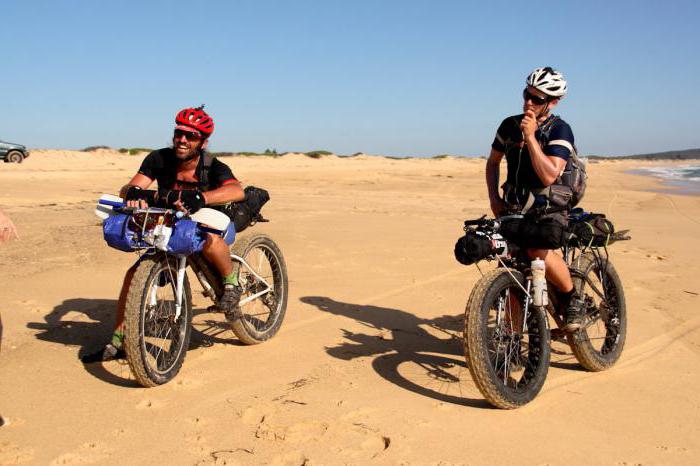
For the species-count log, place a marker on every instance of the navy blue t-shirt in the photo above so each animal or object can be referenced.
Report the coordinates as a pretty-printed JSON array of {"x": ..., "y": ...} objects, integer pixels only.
[{"x": 555, "y": 138}]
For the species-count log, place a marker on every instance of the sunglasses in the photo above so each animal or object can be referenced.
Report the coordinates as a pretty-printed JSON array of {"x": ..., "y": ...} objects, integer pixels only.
[
  {"x": 533, "y": 98},
  {"x": 188, "y": 135}
]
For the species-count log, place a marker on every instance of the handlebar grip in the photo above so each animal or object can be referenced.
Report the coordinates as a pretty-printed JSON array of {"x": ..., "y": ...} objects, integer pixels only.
[
  {"x": 468, "y": 223},
  {"x": 478, "y": 221},
  {"x": 111, "y": 203}
]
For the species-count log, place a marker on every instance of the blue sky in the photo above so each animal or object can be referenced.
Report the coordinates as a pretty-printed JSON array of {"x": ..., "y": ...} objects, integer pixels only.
[{"x": 386, "y": 77}]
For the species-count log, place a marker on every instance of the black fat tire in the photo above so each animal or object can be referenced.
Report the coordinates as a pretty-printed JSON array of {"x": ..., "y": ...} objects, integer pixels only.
[
  {"x": 587, "y": 355},
  {"x": 134, "y": 343},
  {"x": 243, "y": 328},
  {"x": 481, "y": 301},
  {"x": 14, "y": 157}
]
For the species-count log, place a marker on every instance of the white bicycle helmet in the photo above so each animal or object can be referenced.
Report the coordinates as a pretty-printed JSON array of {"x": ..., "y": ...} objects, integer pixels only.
[{"x": 547, "y": 80}]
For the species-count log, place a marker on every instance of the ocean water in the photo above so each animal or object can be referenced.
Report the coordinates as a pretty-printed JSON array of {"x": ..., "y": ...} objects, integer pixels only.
[{"x": 680, "y": 179}]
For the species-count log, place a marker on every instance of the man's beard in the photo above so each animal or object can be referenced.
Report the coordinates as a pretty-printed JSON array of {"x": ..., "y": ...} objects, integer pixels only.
[{"x": 192, "y": 153}]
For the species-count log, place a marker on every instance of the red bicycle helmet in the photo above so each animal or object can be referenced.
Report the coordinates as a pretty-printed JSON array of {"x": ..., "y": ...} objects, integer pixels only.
[{"x": 195, "y": 119}]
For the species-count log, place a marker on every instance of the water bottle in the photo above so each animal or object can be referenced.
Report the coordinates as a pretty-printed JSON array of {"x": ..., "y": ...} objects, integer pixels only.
[{"x": 539, "y": 283}]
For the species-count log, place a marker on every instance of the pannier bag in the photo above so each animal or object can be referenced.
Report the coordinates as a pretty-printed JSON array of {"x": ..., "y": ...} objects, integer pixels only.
[
  {"x": 247, "y": 212},
  {"x": 118, "y": 235},
  {"x": 591, "y": 229},
  {"x": 473, "y": 247},
  {"x": 186, "y": 237}
]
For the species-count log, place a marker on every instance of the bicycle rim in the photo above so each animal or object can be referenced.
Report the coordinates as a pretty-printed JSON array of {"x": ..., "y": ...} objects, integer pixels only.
[
  {"x": 261, "y": 313},
  {"x": 164, "y": 332}
]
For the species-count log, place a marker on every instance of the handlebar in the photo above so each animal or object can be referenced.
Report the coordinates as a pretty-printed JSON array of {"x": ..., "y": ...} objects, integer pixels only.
[
  {"x": 490, "y": 222},
  {"x": 121, "y": 206}
]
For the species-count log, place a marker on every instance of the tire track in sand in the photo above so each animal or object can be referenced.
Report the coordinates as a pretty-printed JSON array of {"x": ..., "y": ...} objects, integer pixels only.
[{"x": 631, "y": 357}]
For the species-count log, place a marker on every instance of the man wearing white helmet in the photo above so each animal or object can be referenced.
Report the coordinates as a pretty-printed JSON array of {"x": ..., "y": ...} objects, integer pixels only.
[{"x": 537, "y": 146}]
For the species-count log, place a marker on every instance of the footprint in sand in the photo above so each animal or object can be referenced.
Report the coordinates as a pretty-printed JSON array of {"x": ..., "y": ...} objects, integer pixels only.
[
  {"x": 184, "y": 383},
  {"x": 88, "y": 453},
  {"x": 150, "y": 404},
  {"x": 361, "y": 412},
  {"x": 12, "y": 454},
  {"x": 234, "y": 456},
  {"x": 252, "y": 415}
]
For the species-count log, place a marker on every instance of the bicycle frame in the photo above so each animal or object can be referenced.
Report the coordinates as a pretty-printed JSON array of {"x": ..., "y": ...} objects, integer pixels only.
[{"x": 209, "y": 290}]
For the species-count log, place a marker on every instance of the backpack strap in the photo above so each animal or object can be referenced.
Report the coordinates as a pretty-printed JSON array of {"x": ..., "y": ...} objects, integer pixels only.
[{"x": 207, "y": 161}]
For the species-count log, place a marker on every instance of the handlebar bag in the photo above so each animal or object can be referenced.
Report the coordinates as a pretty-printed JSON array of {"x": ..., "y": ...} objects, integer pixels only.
[
  {"x": 187, "y": 238},
  {"x": 117, "y": 234},
  {"x": 472, "y": 247},
  {"x": 245, "y": 213}
]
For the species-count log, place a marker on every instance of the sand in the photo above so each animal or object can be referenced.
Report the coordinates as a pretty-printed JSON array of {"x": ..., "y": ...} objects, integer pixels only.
[{"x": 368, "y": 366}]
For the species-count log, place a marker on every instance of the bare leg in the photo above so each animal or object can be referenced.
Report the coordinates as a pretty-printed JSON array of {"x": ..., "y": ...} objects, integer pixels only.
[
  {"x": 217, "y": 253},
  {"x": 556, "y": 269},
  {"x": 121, "y": 304}
]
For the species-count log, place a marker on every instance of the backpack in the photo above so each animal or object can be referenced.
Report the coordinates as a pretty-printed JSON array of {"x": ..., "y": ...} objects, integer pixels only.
[{"x": 570, "y": 186}]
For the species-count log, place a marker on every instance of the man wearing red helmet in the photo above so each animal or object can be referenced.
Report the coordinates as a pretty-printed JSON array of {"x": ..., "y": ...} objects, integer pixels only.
[{"x": 188, "y": 179}]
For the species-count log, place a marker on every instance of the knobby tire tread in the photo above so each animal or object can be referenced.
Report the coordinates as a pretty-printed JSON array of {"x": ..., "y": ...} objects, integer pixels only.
[
  {"x": 584, "y": 352},
  {"x": 477, "y": 360},
  {"x": 132, "y": 322},
  {"x": 241, "y": 247}
]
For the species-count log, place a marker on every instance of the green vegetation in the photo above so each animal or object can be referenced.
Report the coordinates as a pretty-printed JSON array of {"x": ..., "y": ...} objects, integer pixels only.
[
  {"x": 95, "y": 148},
  {"x": 441, "y": 156},
  {"x": 317, "y": 154},
  {"x": 134, "y": 150},
  {"x": 689, "y": 154}
]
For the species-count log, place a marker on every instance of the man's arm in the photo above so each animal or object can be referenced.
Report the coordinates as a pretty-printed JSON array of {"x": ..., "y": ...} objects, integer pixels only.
[
  {"x": 229, "y": 192},
  {"x": 492, "y": 177},
  {"x": 139, "y": 180},
  {"x": 547, "y": 167}
]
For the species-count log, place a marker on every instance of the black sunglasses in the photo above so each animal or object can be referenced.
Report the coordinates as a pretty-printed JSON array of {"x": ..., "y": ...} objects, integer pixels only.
[
  {"x": 189, "y": 135},
  {"x": 537, "y": 100}
]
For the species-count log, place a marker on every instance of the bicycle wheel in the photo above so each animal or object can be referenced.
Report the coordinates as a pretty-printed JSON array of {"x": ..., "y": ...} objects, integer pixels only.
[
  {"x": 507, "y": 360},
  {"x": 598, "y": 344},
  {"x": 155, "y": 337},
  {"x": 263, "y": 306}
]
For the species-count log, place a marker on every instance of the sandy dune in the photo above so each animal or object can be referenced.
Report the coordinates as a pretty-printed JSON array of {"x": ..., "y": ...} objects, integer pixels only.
[{"x": 367, "y": 368}]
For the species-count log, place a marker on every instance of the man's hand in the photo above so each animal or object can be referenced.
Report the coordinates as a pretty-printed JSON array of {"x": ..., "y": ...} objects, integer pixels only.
[
  {"x": 529, "y": 125},
  {"x": 7, "y": 229},
  {"x": 497, "y": 206},
  {"x": 187, "y": 201},
  {"x": 192, "y": 200},
  {"x": 139, "y": 198}
]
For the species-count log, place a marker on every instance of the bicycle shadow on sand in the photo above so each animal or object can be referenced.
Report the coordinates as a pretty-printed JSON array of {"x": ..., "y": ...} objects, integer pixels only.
[
  {"x": 424, "y": 356},
  {"x": 89, "y": 323}
]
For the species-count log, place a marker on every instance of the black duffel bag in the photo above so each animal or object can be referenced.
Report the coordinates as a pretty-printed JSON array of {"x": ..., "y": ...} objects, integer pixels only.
[
  {"x": 591, "y": 230},
  {"x": 472, "y": 247},
  {"x": 247, "y": 212}
]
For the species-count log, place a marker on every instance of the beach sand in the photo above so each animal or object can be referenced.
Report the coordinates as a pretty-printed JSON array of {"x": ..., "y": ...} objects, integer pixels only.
[{"x": 368, "y": 366}]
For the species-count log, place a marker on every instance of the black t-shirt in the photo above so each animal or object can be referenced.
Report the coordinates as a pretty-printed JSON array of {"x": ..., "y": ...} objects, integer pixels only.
[
  {"x": 161, "y": 165},
  {"x": 555, "y": 138}
]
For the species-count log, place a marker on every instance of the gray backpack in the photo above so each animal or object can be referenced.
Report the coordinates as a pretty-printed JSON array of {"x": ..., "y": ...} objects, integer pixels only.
[{"x": 570, "y": 186}]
